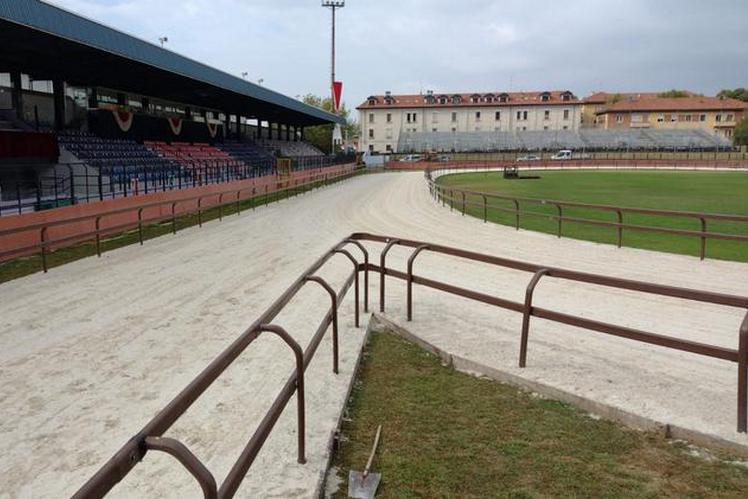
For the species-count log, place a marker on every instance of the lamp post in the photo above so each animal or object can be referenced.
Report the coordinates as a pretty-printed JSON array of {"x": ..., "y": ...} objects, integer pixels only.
[
  {"x": 245, "y": 74},
  {"x": 163, "y": 40},
  {"x": 333, "y": 5}
]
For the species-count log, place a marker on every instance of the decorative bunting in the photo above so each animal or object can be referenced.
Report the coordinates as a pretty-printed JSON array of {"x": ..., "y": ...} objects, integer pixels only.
[
  {"x": 176, "y": 125},
  {"x": 124, "y": 119}
]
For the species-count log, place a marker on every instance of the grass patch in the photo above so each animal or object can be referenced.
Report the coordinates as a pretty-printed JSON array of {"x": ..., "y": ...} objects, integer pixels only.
[
  {"x": 20, "y": 267},
  {"x": 715, "y": 192},
  {"x": 448, "y": 434}
]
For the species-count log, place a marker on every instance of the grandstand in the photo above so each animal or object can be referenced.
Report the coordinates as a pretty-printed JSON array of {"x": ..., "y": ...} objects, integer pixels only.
[
  {"x": 290, "y": 149},
  {"x": 583, "y": 139}
]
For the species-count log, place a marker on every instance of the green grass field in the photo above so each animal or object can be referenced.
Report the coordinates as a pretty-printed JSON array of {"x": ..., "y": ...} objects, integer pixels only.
[
  {"x": 448, "y": 434},
  {"x": 714, "y": 192}
]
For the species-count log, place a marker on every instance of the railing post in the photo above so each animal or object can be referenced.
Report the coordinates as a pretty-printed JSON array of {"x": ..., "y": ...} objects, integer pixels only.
[
  {"x": 366, "y": 271},
  {"x": 238, "y": 204},
  {"x": 703, "y": 237},
  {"x": 516, "y": 213},
  {"x": 140, "y": 226},
  {"x": 355, "y": 271},
  {"x": 383, "y": 270},
  {"x": 334, "y": 311},
  {"x": 743, "y": 377},
  {"x": 463, "y": 203},
  {"x": 620, "y": 227},
  {"x": 98, "y": 236},
  {"x": 200, "y": 212},
  {"x": 187, "y": 459},
  {"x": 560, "y": 219},
  {"x": 43, "y": 246},
  {"x": 451, "y": 200},
  {"x": 174, "y": 217},
  {"x": 485, "y": 208},
  {"x": 527, "y": 313},
  {"x": 220, "y": 207},
  {"x": 410, "y": 278}
]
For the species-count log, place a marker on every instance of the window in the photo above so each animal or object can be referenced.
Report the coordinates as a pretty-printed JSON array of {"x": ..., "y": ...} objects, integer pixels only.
[
  {"x": 636, "y": 118},
  {"x": 688, "y": 117},
  {"x": 433, "y": 129},
  {"x": 566, "y": 114},
  {"x": 407, "y": 117},
  {"x": 545, "y": 97},
  {"x": 498, "y": 115},
  {"x": 619, "y": 118},
  {"x": 454, "y": 117},
  {"x": 371, "y": 117},
  {"x": 660, "y": 118},
  {"x": 454, "y": 129},
  {"x": 524, "y": 115},
  {"x": 566, "y": 127},
  {"x": 388, "y": 134},
  {"x": 371, "y": 148},
  {"x": 389, "y": 117},
  {"x": 545, "y": 127},
  {"x": 371, "y": 133},
  {"x": 414, "y": 117},
  {"x": 718, "y": 118},
  {"x": 519, "y": 115},
  {"x": 702, "y": 117},
  {"x": 389, "y": 147},
  {"x": 546, "y": 115},
  {"x": 524, "y": 128},
  {"x": 673, "y": 118},
  {"x": 729, "y": 117},
  {"x": 477, "y": 116}
]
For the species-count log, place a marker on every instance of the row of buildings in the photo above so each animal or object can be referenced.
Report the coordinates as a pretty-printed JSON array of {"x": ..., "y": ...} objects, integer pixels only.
[{"x": 384, "y": 117}]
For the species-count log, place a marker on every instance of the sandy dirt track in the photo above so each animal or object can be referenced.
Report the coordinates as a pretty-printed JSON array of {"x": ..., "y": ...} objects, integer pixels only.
[{"x": 92, "y": 350}]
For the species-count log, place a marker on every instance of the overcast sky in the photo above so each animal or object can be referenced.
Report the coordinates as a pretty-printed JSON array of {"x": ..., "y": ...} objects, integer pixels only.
[{"x": 452, "y": 45}]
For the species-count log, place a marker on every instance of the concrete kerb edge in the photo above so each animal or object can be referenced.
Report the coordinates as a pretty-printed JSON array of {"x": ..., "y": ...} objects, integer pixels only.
[
  {"x": 380, "y": 323},
  {"x": 319, "y": 491}
]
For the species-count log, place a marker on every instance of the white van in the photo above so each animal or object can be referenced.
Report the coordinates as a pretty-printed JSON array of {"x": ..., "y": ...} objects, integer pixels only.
[{"x": 563, "y": 154}]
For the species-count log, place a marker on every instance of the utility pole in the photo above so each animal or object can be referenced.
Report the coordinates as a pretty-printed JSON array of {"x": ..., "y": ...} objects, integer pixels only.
[{"x": 333, "y": 5}]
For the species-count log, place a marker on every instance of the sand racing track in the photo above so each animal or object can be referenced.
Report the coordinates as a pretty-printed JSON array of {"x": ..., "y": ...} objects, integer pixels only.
[{"x": 92, "y": 350}]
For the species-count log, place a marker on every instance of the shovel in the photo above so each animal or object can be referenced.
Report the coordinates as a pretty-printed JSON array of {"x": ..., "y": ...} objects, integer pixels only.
[{"x": 364, "y": 485}]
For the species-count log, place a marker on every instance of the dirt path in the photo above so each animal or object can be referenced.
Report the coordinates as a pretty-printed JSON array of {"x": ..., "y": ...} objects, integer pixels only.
[{"x": 90, "y": 351}]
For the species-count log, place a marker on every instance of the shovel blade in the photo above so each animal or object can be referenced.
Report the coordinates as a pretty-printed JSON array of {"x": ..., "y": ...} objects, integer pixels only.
[{"x": 363, "y": 488}]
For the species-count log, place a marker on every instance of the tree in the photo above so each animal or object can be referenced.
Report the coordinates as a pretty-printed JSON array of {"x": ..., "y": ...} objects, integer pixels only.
[
  {"x": 740, "y": 136},
  {"x": 738, "y": 93},
  {"x": 674, "y": 94},
  {"x": 321, "y": 136}
]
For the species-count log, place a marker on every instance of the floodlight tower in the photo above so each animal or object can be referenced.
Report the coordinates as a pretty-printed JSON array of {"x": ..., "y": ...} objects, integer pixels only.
[{"x": 333, "y": 5}]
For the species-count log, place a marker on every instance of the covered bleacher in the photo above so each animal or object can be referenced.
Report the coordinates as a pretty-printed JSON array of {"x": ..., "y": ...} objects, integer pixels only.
[{"x": 590, "y": 139}]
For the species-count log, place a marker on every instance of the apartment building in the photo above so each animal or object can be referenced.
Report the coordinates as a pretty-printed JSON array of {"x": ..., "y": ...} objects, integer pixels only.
[
  {"x": 384, "y": 117},
  {"x": 715, "y": 114}
]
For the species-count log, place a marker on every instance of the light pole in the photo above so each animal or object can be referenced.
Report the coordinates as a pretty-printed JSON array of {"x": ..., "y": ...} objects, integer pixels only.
[
  {"x": 244, "y": 74},
  {"x": 333, "y": 5},
  {"x": 163, "y": 40}
]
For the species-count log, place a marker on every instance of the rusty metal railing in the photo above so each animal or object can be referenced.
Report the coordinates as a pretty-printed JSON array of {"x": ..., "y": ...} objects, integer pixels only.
[
  {"x": 151, "y": 438},
  {"x": 462, "y": 199},
  {"x": 739, "y": 355},
  {"x": 233, "y": 197}
]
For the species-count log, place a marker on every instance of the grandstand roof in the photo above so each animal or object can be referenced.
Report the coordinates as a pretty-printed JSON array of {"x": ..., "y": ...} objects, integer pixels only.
[
  {"x": 49, "y": 42},
  {"x": 695, "y": 103},
  {"x": 555, "y": 97}
]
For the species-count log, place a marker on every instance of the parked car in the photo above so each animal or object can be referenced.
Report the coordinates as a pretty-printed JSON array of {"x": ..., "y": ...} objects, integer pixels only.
[
  {"x": 563, "y": 154},
  {"x": 411, "y": 158},
  {"x": 529, "y": 157},
  {"x": 442, "y": 158}
]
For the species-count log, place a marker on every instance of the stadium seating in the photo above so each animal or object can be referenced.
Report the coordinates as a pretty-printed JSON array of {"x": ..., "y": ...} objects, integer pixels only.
[
  {"x": 290, "y": 149},
  {"x": 585, "y": 139},
  {"x": 250, "y": 154}
]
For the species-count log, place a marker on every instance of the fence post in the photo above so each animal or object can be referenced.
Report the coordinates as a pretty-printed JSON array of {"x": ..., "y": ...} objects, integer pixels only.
[
  {"x": 560, "y": 219},
  {"x": 238, "y": 204},
  {"x": 463, "y": 203},
  {"x": 43, "y": 236},
  {"x": 98, "y": 236},
  {"x": 140, "y": 226},
  {"x": 743, "y": 377},
  {"x": 703, "y": 237},
  {"x": 516, "y": 213},
  {"x": 620, "y": 227},
  {"x": 527, "y": 313},
  {"x": 485, "y": 208},
  {"x": 174, "y": 217},
  {"x": 220, "y": 206},
  {"x": 200, "y": 212}
]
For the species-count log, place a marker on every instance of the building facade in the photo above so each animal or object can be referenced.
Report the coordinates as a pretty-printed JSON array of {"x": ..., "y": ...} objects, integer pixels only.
[
  {"x": 384, "y": 117},
  {"x": 714, "y": 114}
]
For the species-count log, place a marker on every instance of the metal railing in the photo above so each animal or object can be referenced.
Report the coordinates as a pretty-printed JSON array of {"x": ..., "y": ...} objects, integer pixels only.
[
  {"x": 73, "y": 183},
  {"x": 463, "y": 199},
  {"x": 233, "y": 197},
  {"x": 151, "y": 438},
  {"x": 740, "y": 355}
]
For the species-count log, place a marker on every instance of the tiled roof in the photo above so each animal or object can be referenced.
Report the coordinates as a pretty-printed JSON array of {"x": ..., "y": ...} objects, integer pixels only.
[
  {"x": 696, "y": 103},
  {"x": 466, "y": 99}
]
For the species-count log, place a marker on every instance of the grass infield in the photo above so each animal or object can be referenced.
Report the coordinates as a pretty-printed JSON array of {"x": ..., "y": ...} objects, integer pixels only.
[
  {"x": 714, "y": 192},
  {"x": 449, "y": 434}
]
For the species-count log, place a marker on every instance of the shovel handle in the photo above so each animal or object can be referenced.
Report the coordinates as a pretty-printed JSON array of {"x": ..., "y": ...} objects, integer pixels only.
[{"x": 373, "y": 451}]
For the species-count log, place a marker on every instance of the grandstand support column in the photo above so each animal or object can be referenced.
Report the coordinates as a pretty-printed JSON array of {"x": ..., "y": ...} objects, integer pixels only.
[
  {"x": 145, "y": 102},
  {"x": 239, "y": 127},
  {"x": 188, "y": 113},
  {"x": 303, "y": 135},
  {"x": 59, "y": 101},
  {"x": 288, "y": 133},
  {"x": 93, "y": 98},
  {"x": 227, "y": 125},
  {"x": 15, "y": 82}
]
